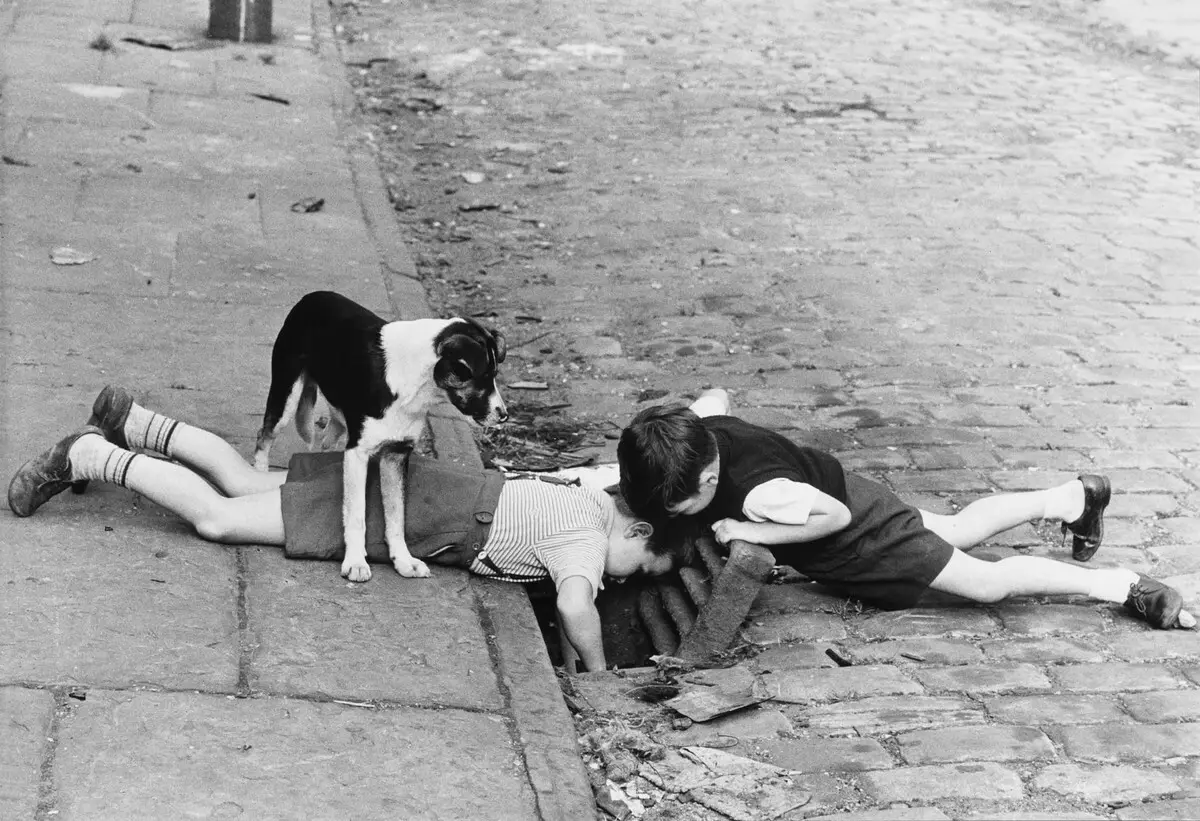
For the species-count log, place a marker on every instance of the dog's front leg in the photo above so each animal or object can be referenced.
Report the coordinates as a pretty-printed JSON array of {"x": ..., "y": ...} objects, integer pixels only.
[
  {"x": 391, "y": 484},
  {"x": 354, "y": 515}
]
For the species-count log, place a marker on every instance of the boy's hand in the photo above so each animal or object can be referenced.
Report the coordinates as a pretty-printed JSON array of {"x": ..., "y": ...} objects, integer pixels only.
[{"x": 726, "y": 530}]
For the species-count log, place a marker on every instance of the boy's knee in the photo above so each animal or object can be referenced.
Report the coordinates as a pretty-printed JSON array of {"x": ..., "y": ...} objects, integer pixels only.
[{"x": 212, "y": 527}]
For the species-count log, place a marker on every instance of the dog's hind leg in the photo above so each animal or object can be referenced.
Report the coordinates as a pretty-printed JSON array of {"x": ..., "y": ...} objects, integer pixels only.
[
  {"x": 304, "y": 411},
  {"x": 282, "y": 399},
  {"x": 391, "y": 486}
]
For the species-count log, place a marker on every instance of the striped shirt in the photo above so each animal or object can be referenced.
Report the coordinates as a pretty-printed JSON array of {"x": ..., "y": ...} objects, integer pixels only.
[{"x": 542, "y": 530}]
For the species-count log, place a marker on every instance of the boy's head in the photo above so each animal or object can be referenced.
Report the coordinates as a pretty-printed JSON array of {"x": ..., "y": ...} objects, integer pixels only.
[
  {"x": 635, "y": 547},
  {"x": 668, "y": 462}
]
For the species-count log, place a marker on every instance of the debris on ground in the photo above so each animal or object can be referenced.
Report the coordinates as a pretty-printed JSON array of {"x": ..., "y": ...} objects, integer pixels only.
[
  {"x": 706, "y": 703},
  {"x": 308, "y": 205},
  {"x": 169, "y": 42},
  {"x": 736, "y": 787},
  {"x": 65, "y": 255},
  {"x": 537, "y": 437}
]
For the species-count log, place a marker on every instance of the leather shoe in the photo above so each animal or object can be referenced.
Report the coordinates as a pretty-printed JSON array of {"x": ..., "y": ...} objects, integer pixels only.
[
  {"x": 45, "y": 476},
  {"x": 1155, "y": 602},
  {"x": 1088, "y": 529},
  {"x": 109, "y": 412}
]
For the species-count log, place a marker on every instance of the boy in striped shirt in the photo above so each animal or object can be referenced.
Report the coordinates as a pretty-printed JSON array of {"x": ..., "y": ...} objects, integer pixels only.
[{"x": 517, "y": 529}]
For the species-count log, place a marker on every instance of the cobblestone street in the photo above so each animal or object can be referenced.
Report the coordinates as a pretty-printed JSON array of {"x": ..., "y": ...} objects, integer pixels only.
[{"x": 955, "y": 242}]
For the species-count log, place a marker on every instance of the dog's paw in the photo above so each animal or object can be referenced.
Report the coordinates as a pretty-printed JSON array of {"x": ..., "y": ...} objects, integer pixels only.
[
  {"x": 411, "y": 568},
  {"x": 356, "y": 571}
]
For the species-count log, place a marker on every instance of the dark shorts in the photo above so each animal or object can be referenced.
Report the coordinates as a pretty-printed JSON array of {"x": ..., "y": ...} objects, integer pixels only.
[
  {"x": 446, "y": 506},
  {"x": 886, "y": 557}
]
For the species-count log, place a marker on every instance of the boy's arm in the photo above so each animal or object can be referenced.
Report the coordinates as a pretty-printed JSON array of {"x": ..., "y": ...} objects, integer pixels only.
[
  {"x": 581, "y": 621},
  {"x": 825, "y": 517}
]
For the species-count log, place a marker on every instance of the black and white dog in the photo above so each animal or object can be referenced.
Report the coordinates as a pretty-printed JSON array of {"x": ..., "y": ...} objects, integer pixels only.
[{"x": 379, "y": 379}]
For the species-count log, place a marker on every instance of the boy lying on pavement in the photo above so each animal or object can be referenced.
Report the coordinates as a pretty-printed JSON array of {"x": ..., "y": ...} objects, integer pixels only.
[
  {"x": 518, "y": 529},
  {"x": 852, "y": 534}
]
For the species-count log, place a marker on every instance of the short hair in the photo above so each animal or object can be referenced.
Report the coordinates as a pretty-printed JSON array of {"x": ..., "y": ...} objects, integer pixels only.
[
  {"x": 661, "y": 454},
  {"x": 655, "y": 542}
]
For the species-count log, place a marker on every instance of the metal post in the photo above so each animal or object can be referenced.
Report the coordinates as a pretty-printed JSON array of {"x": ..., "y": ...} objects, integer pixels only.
[{"x": 246, "y": 21}]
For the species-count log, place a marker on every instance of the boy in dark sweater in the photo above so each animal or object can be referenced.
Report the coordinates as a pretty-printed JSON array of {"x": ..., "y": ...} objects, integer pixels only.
[{"x": 852, "y": 534}]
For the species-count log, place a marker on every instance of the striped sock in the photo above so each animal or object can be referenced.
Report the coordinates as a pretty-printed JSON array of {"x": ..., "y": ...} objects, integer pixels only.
[
  {"x": 149, "y": 430},
  {"x": 93, "y": 457}
]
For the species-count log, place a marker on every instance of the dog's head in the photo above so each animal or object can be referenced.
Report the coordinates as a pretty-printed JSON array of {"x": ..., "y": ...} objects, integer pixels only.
[{"x": 468, "y": 355}]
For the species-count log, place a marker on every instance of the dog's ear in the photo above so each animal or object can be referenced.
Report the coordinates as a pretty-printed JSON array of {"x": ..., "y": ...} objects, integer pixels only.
[
  {"x": 496, "y": 338},
  {"x": 501, "y": 347}
]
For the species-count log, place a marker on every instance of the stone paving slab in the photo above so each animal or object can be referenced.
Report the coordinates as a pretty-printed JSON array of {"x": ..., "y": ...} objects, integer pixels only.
[
  {"x": 315, "y": 634},
  {"x": 128, "y": 755},
  {"x": 25, "y": 716},
  {"x": 135, "y": 611}
]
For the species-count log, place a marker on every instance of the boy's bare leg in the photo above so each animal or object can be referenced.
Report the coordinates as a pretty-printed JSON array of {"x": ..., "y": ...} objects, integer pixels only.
[
  {"x": 88, "y": 456},
  {"x": 990, "y": 515},
  {"x": 712, "y": 402},
  {"x": 985, "y": 581},
  {"x": 216, "y": 460},
  {"x": 127, "y": 424},
  {"x": 254, "y": 518}
]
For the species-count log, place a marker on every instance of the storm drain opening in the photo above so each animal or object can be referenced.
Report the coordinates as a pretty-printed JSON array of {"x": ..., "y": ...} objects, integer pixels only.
[{"x": 692, "y": 614}]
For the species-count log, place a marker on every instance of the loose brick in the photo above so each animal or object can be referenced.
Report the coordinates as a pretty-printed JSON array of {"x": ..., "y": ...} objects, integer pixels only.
[
  {"x": 1131, "y": 742},
  {"x": 818, "y": 755},
  {"x": 1173, "y": 705},
  {"x": 1116, "y": 677},
  {"x": 792, "y": 598},
  {"x": 955, "y": 744},
  {"x": 824, "y": 684},
  {"x": 894, "y": 714},
  {"x": 1104, "y": 784},
  {"x": 780, "y": 657},
  {"x": 1055, "y": 709},
  {"x": 930, "y": 651},
  {"x": 1048, "y": 650},
  {"x": 1045, "y": 619},
  {"x": 984, "y": 678},
  {"x": 948, "y": 621},
  {"x": 777, "y": 628},
  {"x": 981, "y": 781}
]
